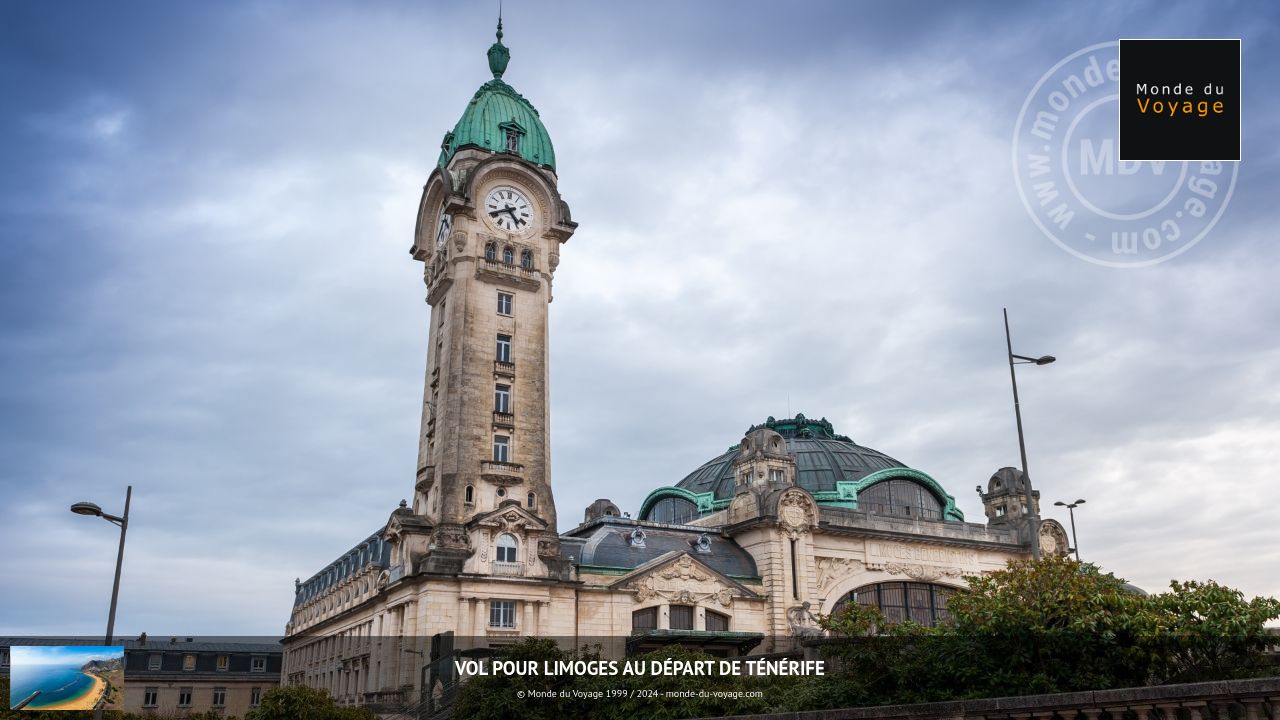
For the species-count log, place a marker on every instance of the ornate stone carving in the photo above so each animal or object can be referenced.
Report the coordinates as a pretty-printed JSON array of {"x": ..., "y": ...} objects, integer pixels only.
[
  {"x": 1053, "y": 539},
  {"x": 802, "y": 622},
  {"x": 916, "y": 571},
  {"x": 683, "y": 582},
  {"x": 459, "y": 238},
  {"x": 795, "y": 512},
  {"x": 832, "y": 569},
  {"x": 684, "y": 568}
]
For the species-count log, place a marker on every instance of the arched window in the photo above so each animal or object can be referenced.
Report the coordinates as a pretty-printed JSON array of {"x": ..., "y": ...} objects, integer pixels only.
[
  {"x": 673, "y": 510},
  {"x": 901, "y": 497},
  {"x": 717, "y": 622},
  {"x": 507, "y": 549},
  {"x": 531, "y": 500},
  {"x": 923, "y": 603},
  {"x": 469, "y": 495},
  {"x": 526, "y": 260},
  {"x": 646, "y": 619},
  {"x": 490, "y": 251},
  {"x": 508, "y": 255}
]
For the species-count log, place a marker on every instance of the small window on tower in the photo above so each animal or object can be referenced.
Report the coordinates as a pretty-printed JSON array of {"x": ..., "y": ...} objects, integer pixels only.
[
  {"x": 469, "y": 495},
  {"x": 504, "y": 349},
  {"x": 526, "y": 259},
  {"x": 505, "y": 303},
  {"x": 502, "y": 399},
  {"x": 532, "y": 500},
  {"x": 508, "y": 255},
  {"x": 490, "y": 251},
  {"x": 513, "y": 140},
  {"x": 501, "y": 448}
]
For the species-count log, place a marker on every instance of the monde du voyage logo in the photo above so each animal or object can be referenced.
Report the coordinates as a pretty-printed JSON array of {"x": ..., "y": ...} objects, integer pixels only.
[{"x": 1124, "y": 153}]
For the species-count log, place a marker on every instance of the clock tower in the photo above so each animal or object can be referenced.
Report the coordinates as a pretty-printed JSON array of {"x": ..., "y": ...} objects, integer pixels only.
[{"x": 489, "y": 231}]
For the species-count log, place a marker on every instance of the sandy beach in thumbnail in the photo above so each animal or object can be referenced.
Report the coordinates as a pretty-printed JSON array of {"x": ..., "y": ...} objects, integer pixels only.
[{"x": 85, "y": 701}]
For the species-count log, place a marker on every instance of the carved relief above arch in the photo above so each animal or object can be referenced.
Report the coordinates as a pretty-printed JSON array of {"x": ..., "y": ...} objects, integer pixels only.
[{"x": 842, "y": 586}]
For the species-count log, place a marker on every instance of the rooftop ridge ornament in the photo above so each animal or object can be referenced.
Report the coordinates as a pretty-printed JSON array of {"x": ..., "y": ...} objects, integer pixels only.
[{"x": 499, "y": 55}]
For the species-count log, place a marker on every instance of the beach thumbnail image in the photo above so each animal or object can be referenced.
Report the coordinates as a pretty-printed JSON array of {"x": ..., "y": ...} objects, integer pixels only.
[{"x": 65, "y": 677}]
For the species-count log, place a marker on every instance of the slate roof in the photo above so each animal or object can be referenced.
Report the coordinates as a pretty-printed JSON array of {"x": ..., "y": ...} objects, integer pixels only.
[
  {"x": 372, "y": 551},
  {"x": 608, "y": 544}
]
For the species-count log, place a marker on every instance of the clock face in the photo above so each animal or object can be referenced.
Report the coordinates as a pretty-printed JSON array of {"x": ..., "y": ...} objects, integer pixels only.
[
  {"x": 508, "y": 209},
  {"x": 442, "y": 233}
]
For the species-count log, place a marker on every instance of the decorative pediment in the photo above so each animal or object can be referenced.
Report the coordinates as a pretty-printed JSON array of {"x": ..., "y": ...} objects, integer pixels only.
[
  {"x": 681, "y": 578},
  {"x": 509, "y": 517}
]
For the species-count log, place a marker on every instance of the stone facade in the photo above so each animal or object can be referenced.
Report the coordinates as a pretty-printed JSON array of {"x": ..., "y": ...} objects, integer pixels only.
[{"x": 739, "y": 558}]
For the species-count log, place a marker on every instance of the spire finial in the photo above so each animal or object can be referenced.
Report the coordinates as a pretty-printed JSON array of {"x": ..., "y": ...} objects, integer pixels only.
[{"x": 499, "y": 55}]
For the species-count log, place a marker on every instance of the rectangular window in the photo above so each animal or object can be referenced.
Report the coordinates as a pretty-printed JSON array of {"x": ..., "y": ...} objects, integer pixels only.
[
  {"x": 717, "y": 622},
  {"x": 502, "y": 613},
  {"x": 153, "y": 662},
  {"x": 501, "y": 448},
  {"x": 505, "y": 303},
  {"x": 150, "y": 697},
  {"x": 502, "y": 399},
  {"x": 504, "y": 349},
  {"x": 222, "y": 663},
  {"x": 681, "y": 617},
  {"x": 646, "y": 619},
  {"x": 184, "y": 697},
  {"x": 775, "y": 476},
  {"x": 219, "y": 696},
  {"x": 188, "y": 662},
  {"x": 255, "y": 697},
  {"x": 259, "y": 665}
]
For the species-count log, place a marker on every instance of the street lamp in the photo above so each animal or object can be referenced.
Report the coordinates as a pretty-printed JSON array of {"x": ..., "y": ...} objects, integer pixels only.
[
  {"x": 1071, "y": 508},
  {"x": 88, "y": 508},
  {"x": 1033, "y": 518}
]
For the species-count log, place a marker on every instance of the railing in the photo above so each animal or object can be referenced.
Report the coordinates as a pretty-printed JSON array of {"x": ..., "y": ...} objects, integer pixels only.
[
  {"x": 504, "y": 368},
  {"x": 497, "y": 467},
  {"x": 525, "y": 277},
  {"x": 508, "y": 569},
  {"x": 504, "y": 419}
]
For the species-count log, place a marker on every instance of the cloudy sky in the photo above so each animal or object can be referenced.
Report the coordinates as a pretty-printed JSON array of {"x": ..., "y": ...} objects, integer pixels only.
[{"x": 205, "y": 290}]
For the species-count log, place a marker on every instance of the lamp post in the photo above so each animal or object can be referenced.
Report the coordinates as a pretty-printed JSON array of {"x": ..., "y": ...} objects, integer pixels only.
[
  {"x": 1071, "y": 508},
  {"x": 88, "y": 508},
  {"x": 1033, "y": 518}
]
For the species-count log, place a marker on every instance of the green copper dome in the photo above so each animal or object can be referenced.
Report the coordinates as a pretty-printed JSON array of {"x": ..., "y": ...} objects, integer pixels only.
[{"x": 499, "y": 119}]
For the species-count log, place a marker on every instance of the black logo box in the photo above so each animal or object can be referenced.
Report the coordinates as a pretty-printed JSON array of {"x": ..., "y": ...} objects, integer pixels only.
[{"x": 1160, "y": 77}]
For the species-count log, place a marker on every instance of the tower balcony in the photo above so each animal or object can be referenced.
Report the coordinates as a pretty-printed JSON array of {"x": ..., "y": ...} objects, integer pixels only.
[
  {"x": 504, "y": 420},
  {"x": 504, "y": 369},
  {"x": 504, "y": 473},
  {"x": 508, "y": 274}
]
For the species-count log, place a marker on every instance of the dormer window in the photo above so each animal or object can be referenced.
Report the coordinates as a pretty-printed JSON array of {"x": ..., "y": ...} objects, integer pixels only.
[{"x": 512, "y": 133}]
